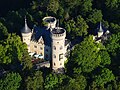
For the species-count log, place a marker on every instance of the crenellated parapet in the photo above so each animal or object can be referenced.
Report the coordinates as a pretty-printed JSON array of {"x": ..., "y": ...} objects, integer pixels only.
[{"x": 58, "y": 33}]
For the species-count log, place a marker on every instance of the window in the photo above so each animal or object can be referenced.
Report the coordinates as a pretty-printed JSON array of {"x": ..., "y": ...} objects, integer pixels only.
[
  {"x": 54, "y": 64},
  {"x": 35, "y": 46},
  {"x": 61, "y": 47},
  {"x": 41, "y": 48},
  {"x": 54, "y": 56},
  {"x": 60, "y": 63},
  {"x": 57, "y": 42},
  {"x": 47, "y": 50},
  {"x": 41, "y": 54},
  {"x": 54, "y": 47},
  {"x": 46, "y": 56},
  {"x": 24, "y": 39}
]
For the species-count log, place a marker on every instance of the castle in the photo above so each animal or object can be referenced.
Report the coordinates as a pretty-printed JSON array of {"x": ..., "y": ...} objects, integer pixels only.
[{"x": 49, "y": 42}]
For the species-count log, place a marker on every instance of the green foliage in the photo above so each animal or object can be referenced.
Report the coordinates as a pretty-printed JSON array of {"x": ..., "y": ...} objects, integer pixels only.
[
  {"x": 113, "y": 44},
  {"x": 112, "y": 3},
  {"x": 26, "y": 61},
  {"x": 3, "y": 32},
  {"x": 10, "y": 82},
  {"x": 77, "y": 28},
  {"x": 53, "y": 6},
  {"x": 51, "y": 80},
  {"x": 78, "y": 83},
  {"x": 95, "y": 16},
  {"x": 104, "y": 77},
  {"x": 12, "y": 48},
  {"x": 114, "y": 28},
  {"x": 105, "y": 58},
  {"x": 86, "y": 56},
  {"x": 35, "y": 82}
]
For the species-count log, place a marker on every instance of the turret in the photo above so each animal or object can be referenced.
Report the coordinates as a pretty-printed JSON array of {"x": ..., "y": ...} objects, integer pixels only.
[
  {"x": 26, "y": 34},
  {"x": 100, "y": 32},
  {"x": 58, "y": 48},
  {"x": 51, "y": 21}
]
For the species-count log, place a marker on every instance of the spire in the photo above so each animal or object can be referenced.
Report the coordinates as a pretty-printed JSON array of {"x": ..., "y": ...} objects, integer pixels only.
[
  {"x": 26, "y": 29},
  {"x": 25, "y": 23},
  {"x": 58, "y": 29},
  {"x": 100, "y": 28}
]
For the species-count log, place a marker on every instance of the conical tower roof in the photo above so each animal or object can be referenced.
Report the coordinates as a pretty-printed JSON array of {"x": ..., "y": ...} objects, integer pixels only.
[
  {"x": 26, "y": 29},
  {"x": 100, "y": 28}
]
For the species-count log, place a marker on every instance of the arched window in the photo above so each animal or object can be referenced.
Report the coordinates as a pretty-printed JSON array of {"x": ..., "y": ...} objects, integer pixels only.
[
  {"x": 54, "y": 56},
  {"x": 54, "y": 64},
  {"x": 61, "y": 47},
  {"x": 41, "y": 48},
  {"x": 60, "y": 63},
  {"x": 54, "y": 47}
]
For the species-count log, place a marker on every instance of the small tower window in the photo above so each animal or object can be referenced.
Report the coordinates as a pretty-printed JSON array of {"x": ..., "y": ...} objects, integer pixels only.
[
  {"x": 46, "y": 56},
  {"x": 57, "y": 42},
  {"x": 35, "y": 46},
  {"x": 41, "y": 48},
  {"x": 47, "y": 50},
  {"x": 41, "y": 54},
  {"x": 54, "y": 64},
  {"x": 61, "y": 47},
  {"x": 54, "y": 56},
  {"x": 54, "y": 47},
  {"x": 60, "y": 63}
]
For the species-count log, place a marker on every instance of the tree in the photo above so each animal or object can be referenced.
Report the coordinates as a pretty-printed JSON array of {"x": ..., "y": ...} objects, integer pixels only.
[
  {"x": 113, "y": 44},
  {"x": 77, "y": 83},
  {"x": 3, "y": 32},
  {"x": 105, "y": 58},
  {"x": 13, "y": 49},
  {"x": 35, "y": 82},
  {"x": 85, "y": 6},
  {"x": 77, "y": 27},
  {"x": 10, "y": 82},
  {"x": 53, "y": 6},
  {"x": 112, "y": 3},
  {"x": 26, "y": 61},
  {"x": 85, "y": 56},
  {"x": 94, "y": 16},
  {"x": 114, "y": 28},
  {"x": 50, "y": 81},
  {"x": 104, "y": 77}
]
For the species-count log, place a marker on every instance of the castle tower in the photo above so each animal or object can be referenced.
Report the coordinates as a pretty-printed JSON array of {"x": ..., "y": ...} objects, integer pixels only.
[
  {"x": 100, "y": 32},
  {"x": 58, "y": 48},
  {"x": 51, "y": 21},
  {"x": 26, "y": 34}
]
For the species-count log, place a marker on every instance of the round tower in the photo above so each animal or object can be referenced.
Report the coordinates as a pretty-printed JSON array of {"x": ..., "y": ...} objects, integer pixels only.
[
  {"x": 51, "y": 21},
  {"x": 58, "y": 48},
  {"x": 26, "y": 35}
]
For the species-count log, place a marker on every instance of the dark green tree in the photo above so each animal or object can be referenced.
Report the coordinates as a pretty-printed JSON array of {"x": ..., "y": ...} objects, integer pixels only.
[
  {"x": 3, "y": 32},
  {"x": 77, "y": 27},
  {"x": 10, "y": 82},
  {"x": 104, "y": 77},
  {"x": 35, "y": 82}
]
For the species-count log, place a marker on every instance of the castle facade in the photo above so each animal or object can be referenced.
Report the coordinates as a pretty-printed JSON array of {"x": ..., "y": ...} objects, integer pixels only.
[{"x": 49, "y": 42}]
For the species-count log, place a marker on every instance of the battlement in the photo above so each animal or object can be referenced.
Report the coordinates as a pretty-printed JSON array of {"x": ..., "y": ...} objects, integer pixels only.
[{"x": 58, "y": 32}]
